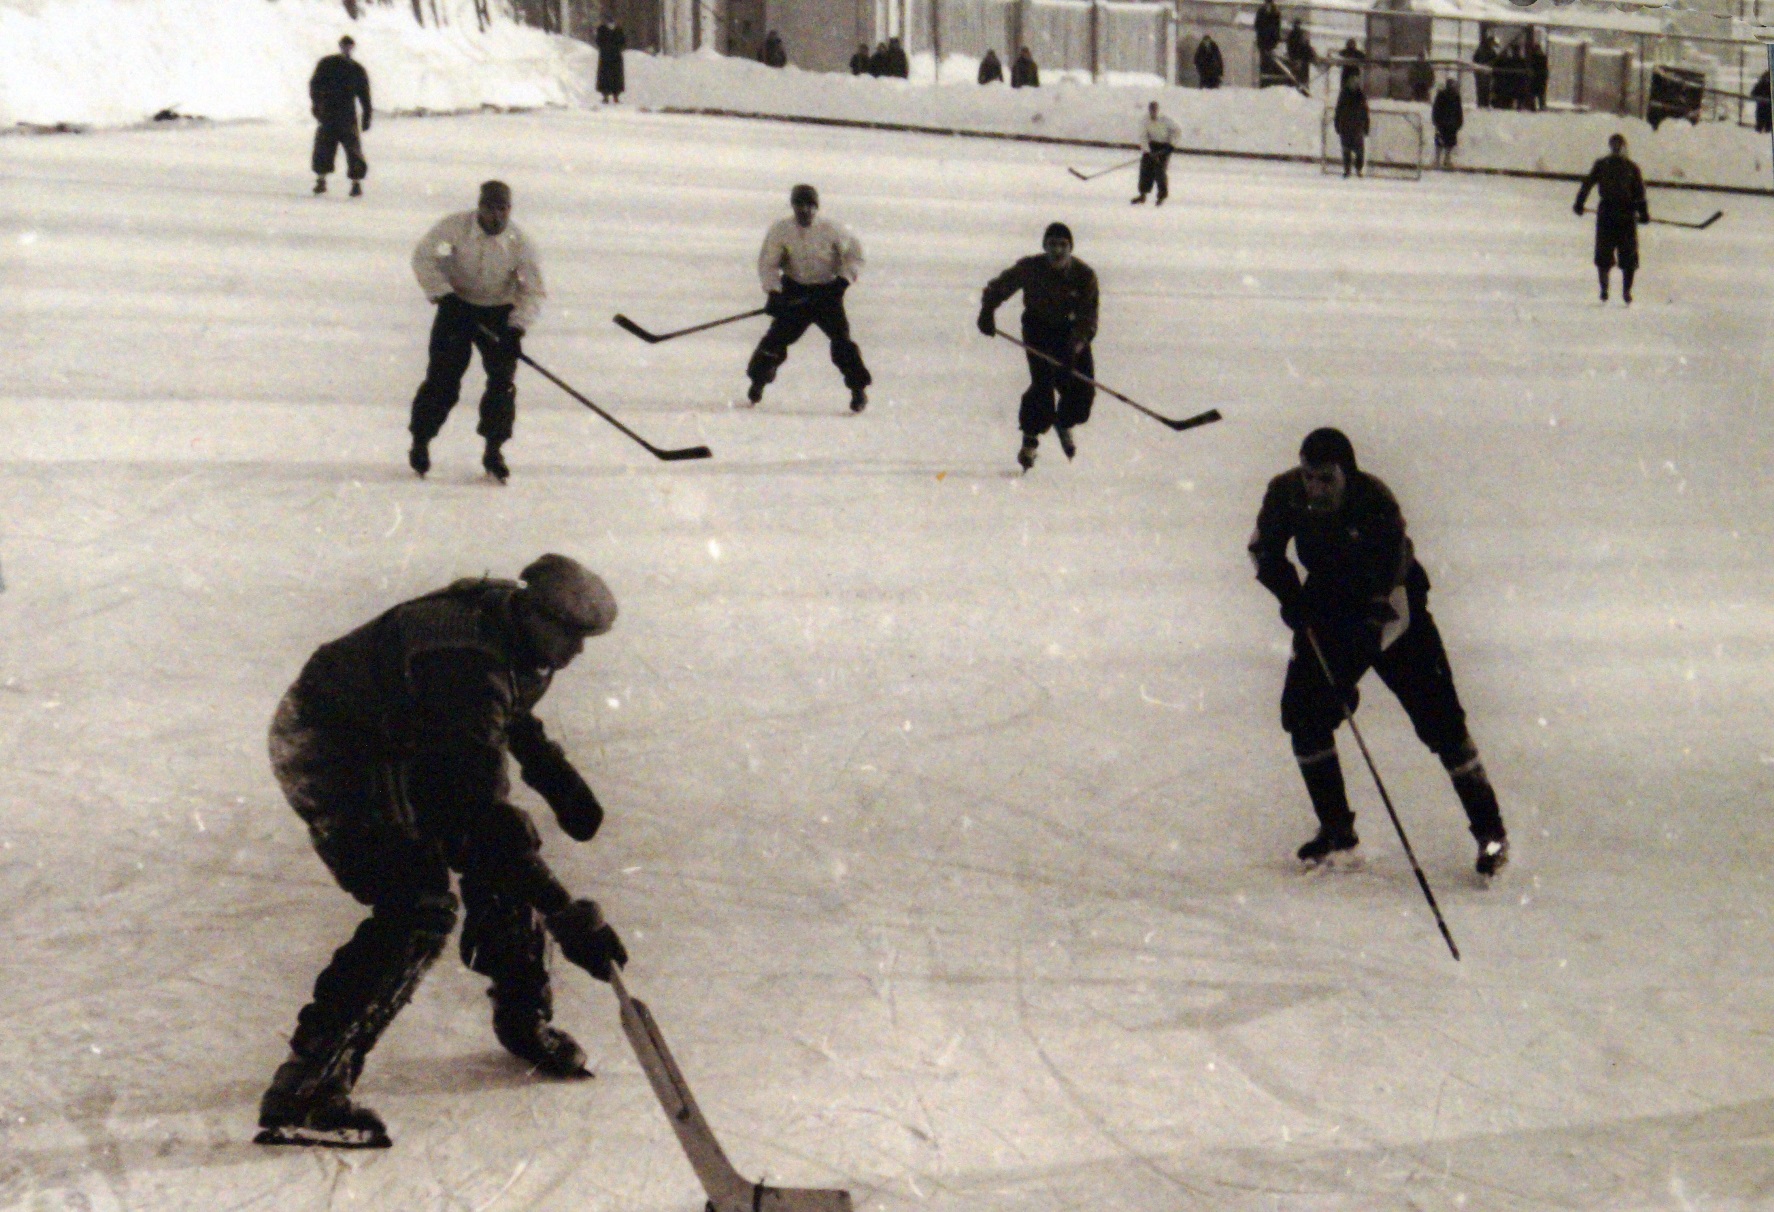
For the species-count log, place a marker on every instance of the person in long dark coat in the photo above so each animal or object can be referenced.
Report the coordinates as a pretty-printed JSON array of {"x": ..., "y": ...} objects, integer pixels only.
[
  {"x": 1351, "y": 121},
  {"x": 1023, "y": 72},
  {"x": 1447, "y": 114},
  {"x": 1484, "y": 81},
  {"x": 897, "y": 64},
  {"x": 1267, "y": 27},
  {"x": 1300, "y": 55},
  {"x": 1764, "y": 112},
  {"x": 859, "y": 62},
  {"x": 1620, "y": 208},
  {"x": 991, "y": 71},
  {"x": 611, "y": 42},
  {"x": 1512, "y": 76},
  {"x": 1352, "y": 58},
  {"x": 774, "y": 54},
  {"x": 1539, "y": 73},
  {"x": 1210, "y": 64}
]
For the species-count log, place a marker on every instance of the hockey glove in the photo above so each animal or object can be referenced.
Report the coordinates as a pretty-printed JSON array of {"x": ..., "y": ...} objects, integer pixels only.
[
  {"x": 987, "y": 325},
  {"x": 587, "y": 939},
  {"x": 773, "y": 305},
  {"x": 575, "y": 807},
  {"x": 1577, "y": 208}
]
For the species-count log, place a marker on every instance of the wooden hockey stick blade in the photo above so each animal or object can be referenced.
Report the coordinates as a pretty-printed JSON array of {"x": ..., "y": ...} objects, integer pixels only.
[
  {"x": 653, "y": 338},
  {"x": 1077, "y": 174},
  {"x": 1700, "y": 226},
  {"x": 628, "y": 325},
  {"x": 1200, "y": 418},
  {"x": 726, "y": 1188},
  {"x": 1103, "y": 172}
]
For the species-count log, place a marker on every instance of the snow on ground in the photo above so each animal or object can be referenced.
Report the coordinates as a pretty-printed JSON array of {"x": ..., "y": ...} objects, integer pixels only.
[{"x": 950, "y": 825}]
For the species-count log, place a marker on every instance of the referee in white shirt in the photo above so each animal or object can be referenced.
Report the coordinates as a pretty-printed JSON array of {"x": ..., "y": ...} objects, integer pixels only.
[{"x": 806, "y": 265}]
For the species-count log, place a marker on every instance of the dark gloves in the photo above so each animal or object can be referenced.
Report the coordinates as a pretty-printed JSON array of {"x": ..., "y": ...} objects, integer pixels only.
[
  {"x": 773, "y": 305},
  {"x": 1577, "y": 208},
  {"x": 987, "y": 325},
  {"x": 587, "y": 939},
  {"x": 577, "y": 809}
]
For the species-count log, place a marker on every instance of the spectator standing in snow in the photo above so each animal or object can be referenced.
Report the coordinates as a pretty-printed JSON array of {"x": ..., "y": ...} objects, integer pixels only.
[
  {"x": 1352, "y": 58},
  {"x": 991, "y": 71},
  {"x": 859, "y": 62},
  {"x": 1447, "y": 115},
  {"x": 1484, "y": 80},
  {"x": 1539, "y": 72},
  {"x": 1351, "y": 121},
  {"x": 1764, "y": 111},
  {"x": 897, "y": 65},
  {"x": 1422, "y": 78},
  {"x": 1512, "y": 75},
  {"x": 339, "y": 85},
  {"x": 1267, "y": 27},
  {"x": 1023, "y": 72},
  {"x": 1300, "y": 56},
  {"x": 1210, "y": 64},
  {"x": 611, "y": 42},
  {"x": 774, "y": 53}
]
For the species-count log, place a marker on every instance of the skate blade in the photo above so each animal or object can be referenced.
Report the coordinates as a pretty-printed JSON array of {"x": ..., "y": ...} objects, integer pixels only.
[
  {"x": 1337, "y": 860},
  {"x": 338, "y": 1138}
]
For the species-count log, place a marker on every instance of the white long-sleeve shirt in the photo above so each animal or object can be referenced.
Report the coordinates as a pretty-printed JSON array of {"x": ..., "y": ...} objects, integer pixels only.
[
  {"x": 811, "y": 255},
  {"x": 488, "y": 271},
  {"x": 1159, "y": 130}
]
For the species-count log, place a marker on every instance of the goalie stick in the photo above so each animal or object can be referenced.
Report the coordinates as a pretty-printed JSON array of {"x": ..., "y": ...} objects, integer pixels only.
[
  {"x": 1114, "y": 168},
  {"x": 1700, "y": 226},
  {"x": 727, "y": 1190},
  {"x": 653, "y": 338},
  {"x": 1200, "y": 418}
]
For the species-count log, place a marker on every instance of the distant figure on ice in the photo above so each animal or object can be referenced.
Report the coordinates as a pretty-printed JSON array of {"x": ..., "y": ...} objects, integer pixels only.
[
  {"x": 1366, "y": 600},
  {"x": 991, "y": 71},
  {"x": 1059, "y": 319},
  {"x": 391, "y": 748},
  {"x": 486, "y": 279},
  {"x": 859, "y": 62},
  {"x": 611, "y": 77},
  {"x": 806, "y": 264},
  {"x": 774, "y": 54},
  {"x": 1351, "y": 121},
  {"x": 1484, "y": 80},
  {"x": 1763, "y": 94},
  {"x": 1023, "y": 72},
  {"x": 1619, "y": 210},
  {"x": 1210, "y": 64},
  {"x": 1159, "y": 137},
  {"x": 1267, "y": 27},
  {"x": 339, "y": 85},
  {"x": 1447, "y": 114}
]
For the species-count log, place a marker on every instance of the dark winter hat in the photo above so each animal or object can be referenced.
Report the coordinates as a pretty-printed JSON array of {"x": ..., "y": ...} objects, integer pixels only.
[
  {"x": 565, "y": 591},
  {"x": 803, "y": 193},
  {"x": 1057, "y": 230},
  {"x": 347, "y": 42},
  {"x": 1326, "y": 446},
  {"x": 495, "y": 191}
]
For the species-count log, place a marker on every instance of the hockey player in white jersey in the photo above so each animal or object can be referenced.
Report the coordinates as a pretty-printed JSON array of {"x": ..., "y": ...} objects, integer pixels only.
[{"x": 1158, "y": 139}]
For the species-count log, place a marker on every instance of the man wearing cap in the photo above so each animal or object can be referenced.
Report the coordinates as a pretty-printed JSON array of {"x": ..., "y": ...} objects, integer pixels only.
[
  {"x": 339, "y": 85},
  {"x": 485, "y": 277},
  {"x": 1619, "y": 210},
  {"x": 806, "y": 264},
  {"x": 1365, "y": 600},
  {"x": 1059, "y": 320},
  {"x": 391, "y": 748}
]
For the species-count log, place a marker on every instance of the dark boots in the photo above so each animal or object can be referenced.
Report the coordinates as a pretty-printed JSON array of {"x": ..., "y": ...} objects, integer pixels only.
[
  {"x": 1483, "y": 817},
  {"x": 1336, "y": 824},
  {"x": 305, "y": 1107},
  {"x": 545, "y": 1048}
]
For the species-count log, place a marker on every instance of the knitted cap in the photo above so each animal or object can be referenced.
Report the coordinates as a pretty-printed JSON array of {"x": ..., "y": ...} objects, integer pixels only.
[
  {"x": 1323, "y": 447},
  {"x": 1057, "y": 229},
  {"x": 565, "y": 591},
  {"x": 803, "y": 193}
]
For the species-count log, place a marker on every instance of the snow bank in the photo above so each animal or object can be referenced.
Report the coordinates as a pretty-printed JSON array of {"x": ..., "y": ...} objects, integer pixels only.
[{"x": 116, "y": 62}]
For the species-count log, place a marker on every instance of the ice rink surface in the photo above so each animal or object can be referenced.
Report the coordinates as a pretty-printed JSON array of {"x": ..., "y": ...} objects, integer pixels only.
[{"x": 950, "y": 822}]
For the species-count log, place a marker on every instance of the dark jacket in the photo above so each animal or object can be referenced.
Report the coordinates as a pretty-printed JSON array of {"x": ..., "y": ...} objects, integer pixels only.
[
  {"x": 1351, "y": 118},
  {"x": 1051, "y": 297},
  {"x": 1023, "y": 72},
  {"x": 774, "y": 54},
  {"x": 336, "y": 89},
  {"x": 611, "y": 42},
  {"x": 991, "y": 70},
  {"x": 1448, "y": 113},
  {"x": 1354, "y": 558},
  {"x": 1621, "y": 188},
  {"x": 1352, "y": 57},
  {"x": 859, "y": 62},
  {"x": 1210, "y": 64},
  {"x": 1268, "y": 26},
  {"x": 1300, "y": 55},
  {"x": 896, "y": 64},
  {"x": 1761, "y": 94}
]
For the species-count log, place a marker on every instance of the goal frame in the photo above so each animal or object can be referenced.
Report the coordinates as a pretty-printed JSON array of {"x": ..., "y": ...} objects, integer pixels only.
[{"x": 1399, "y": 155}]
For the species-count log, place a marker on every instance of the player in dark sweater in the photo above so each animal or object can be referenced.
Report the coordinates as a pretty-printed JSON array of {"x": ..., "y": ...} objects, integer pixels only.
[
  {"x": 339, "y": 85},
  {"x": 1619, "y": 211}
]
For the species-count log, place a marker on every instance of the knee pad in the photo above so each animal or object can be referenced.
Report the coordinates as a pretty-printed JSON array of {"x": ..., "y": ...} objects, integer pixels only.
[
  {"x": 1310, "y": 748},
  {"x": 1461, "y": 758}
]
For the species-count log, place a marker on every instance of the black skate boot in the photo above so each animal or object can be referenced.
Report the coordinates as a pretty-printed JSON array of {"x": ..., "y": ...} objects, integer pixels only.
[
  {"x": 859, "y": 399},
  {"x": 1025, "y": 458},
  {"x": 419, "y": 457},
  {"x": 1330, "y": 848},
  {"x": 320, "y": 185},
  {"x": 1139, "y": 201},
  {"x": 302, "y": 1109},
  {"x": 357, "y": 189},
  {"x": 1477, "y": 797},
  {"x": 755, "y": 393},
  {"x": 1336, "y": 841},
  {"x": 1069, "y": 447},
  {"x": 494, "y": 462},
  {"x": 547, "y": 1049},
  {"x": 1493, "y": 856}
]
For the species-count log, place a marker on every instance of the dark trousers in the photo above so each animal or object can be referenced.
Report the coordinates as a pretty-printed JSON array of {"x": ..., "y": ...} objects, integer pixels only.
[
  {"x": 804, "y": 307},
  {"x": 1055, "y": 396},
  {"x": 363, "y": 827},
  {"x": 332, "y": 134},
  {"x": 1155, "y": 171},
  {"x": 1616, "y": 241},
  {"x": 1354, "y": 154},
  {"x": 455, "y": 335}
]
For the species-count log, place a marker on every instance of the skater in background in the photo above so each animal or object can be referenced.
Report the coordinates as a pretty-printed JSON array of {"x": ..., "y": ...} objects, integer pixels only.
[
  {"x": 391, "y": 747},
  {"x": 1365, "y": 599},
  {"x": 1023, "y": 71},
  {"x": 1351, "y": 122},
  {"x": 1210, "y": 63},
  {"x": 611, "y": 76},
  {"x": 486, "y": 280},
  {"x": 806, "y": 264},
  {"x": 338, "y": 87},
  {"x": 1447, "y": 114},
  {"x": 1059, "y": 319},
  {"x": 1619, "y": 209},
  {"x": 1158, "y": 139},
  {"x": 991, "y": 70}
]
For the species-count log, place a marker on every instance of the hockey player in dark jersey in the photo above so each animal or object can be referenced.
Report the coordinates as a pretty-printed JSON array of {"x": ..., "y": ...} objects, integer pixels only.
[
  {"x": 1059, "y": 319},
  {"x": 1619, "y": 210},
  {"x": 1366, "y": 599},
  {"x": 391, "y": 748},
  {"x": 335, "y": 91}
]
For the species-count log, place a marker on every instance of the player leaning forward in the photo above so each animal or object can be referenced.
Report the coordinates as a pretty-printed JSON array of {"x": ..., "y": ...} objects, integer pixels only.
[
  {"x": 806, "y": 264},
  {"x": 1366, "y": 599},
  {"x": 391, "y": 748},
  {"x": 484, "y": 275}
]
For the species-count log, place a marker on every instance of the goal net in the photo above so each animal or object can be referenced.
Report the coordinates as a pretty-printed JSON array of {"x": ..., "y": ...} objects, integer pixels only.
[{"x": 1394, "y": 142}]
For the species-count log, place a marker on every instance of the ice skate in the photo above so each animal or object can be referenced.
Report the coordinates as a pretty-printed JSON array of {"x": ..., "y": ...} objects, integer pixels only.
[
  {"x": 494, "y": 462},
  {"x": 357, "y": 189},
  {"x": 320, "y": 185},
  {"x": 1025, "y": 458},
  {"x": 419, "y": 457},
  {"x": 1065, "y": 442},
  {"x": 293, "y": 1112},
  {"x": 546, "y": 1049},
  {"x": 859, "y": 399},
  {"x": 1137, "y": 201},
  {"x": 1334, "y": 851},
  {"x": 755, "y": 393},
  {"x": 1493, "y": 856}
]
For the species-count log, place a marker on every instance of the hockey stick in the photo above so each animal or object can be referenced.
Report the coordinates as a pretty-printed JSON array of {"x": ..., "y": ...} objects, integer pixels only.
[
  {"x": 653, "y": 338},
  {"x": 1422, "y": 880},
  {"x": 669, "y": 456},
  {"x": 1200, "y": 418},
  {"x": 1115, "y": 168},
  {"x": 727, "y": 1189},
  {"x": 1700, "y": 226}
]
